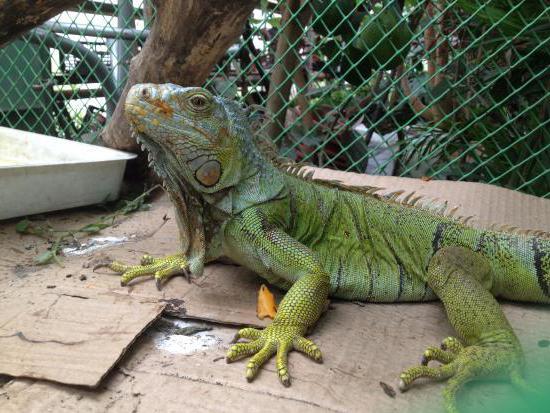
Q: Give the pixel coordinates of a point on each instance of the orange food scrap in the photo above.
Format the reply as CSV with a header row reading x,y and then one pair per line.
x,y
266,304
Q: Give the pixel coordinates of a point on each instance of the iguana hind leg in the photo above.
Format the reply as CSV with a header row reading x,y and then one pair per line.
x,y
462,279
161,268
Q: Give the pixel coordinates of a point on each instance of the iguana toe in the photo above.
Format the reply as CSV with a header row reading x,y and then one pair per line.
x,y
497,354
309,348
451,344
259,359
147,259
248,333
241,350
434,353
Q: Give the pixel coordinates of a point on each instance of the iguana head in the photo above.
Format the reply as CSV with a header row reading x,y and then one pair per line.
x,y
192,136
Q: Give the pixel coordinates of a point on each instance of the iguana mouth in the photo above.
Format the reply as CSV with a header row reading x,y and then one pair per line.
x,y
147,145
137,113
155,156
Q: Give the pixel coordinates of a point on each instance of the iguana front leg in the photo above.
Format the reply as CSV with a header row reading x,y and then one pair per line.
x,y
462,279
253,241
189,263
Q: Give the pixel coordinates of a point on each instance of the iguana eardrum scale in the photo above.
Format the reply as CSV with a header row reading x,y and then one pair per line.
x,y
320,239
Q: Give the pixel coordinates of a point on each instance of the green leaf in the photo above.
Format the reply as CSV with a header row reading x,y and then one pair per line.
x,y
275,22
496,17
44,258
264,5
22,226
145,207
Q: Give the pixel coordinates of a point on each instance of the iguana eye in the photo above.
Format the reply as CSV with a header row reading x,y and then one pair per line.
x,y
198,101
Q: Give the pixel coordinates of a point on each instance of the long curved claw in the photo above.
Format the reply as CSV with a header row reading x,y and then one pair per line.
x,y
274,339
158,283
162,268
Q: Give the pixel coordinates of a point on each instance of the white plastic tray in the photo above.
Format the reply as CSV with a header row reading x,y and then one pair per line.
x,y
40,173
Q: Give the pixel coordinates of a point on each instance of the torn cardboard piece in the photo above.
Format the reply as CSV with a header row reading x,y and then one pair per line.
x,y
71,325
69,339
224,294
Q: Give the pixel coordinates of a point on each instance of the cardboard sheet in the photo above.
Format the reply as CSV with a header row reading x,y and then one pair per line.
x,y
362,345
68,339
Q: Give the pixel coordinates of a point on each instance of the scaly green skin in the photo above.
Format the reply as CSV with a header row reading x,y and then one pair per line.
x,y
318,240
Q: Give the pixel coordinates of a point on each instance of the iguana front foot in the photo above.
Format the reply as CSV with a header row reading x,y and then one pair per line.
x,y
161,268
497,354
275,338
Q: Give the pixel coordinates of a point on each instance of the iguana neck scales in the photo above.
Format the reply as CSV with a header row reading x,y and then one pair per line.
x,y
320,238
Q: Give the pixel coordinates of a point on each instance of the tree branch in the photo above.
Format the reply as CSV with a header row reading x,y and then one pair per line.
x,y
19,16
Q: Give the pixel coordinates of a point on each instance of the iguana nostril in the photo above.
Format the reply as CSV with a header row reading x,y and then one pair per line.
x,y
145,92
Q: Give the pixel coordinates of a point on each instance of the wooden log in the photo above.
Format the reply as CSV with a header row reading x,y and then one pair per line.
x,y
18,16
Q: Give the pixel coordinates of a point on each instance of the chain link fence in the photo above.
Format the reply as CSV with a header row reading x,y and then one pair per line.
x,y
442,89
65,77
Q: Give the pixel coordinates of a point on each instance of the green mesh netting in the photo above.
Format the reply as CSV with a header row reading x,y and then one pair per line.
x,y
451,89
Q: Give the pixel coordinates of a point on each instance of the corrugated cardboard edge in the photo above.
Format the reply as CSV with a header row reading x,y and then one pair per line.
x,y
44,348
130,343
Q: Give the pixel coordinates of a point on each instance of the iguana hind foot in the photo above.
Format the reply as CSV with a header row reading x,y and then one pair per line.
x,y
497,355
438,354
462,279
162,268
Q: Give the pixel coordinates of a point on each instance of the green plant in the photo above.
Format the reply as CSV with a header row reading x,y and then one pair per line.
x,y
59,237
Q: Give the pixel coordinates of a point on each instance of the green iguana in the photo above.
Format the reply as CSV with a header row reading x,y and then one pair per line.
x,y
319,239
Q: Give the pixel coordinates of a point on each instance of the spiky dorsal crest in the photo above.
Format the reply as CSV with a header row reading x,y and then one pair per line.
x,y
520,231
410,199
406,199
